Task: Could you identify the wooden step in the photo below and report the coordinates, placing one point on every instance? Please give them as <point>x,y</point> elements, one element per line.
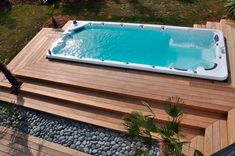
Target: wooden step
<point>93,116</point>
<point>229,33</point>
<point>122,90</point>
<point>196,143</point>
<point>150,85</point>
<point>96,117</point>
<point>216,137</point>
<point>231,126</point>
<point>199,26</point>
<point>114,104</point>
<point>213,25</point>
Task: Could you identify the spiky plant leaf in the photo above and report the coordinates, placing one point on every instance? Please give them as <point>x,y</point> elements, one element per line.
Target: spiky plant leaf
<point>230,7</point>
<point>165,132</point>
<point>174,126</point>
<point>174,109</point>
<point>149,108</point>
<point>198,153</point>
<point>140,152</point>
<point>140,126</point>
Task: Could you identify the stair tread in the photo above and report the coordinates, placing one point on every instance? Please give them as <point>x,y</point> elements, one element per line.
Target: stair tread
<point>124,92</point>
<point>96,118</point>
<point>117,104</point>
<point>91,116</point>
<point>231,126</point>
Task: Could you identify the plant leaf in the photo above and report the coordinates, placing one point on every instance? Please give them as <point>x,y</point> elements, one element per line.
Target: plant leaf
<point>198,153</point>
<point>148,106</point>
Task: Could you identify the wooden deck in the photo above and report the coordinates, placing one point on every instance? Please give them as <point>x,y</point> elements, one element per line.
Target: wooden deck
<point>14,143</point>
<point>102,95</point>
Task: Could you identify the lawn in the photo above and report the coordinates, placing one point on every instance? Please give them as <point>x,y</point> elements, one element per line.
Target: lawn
<point>19,25</point>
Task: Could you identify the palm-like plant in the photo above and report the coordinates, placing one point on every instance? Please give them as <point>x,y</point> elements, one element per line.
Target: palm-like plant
<point>230,7</point>
<point>143,126</point>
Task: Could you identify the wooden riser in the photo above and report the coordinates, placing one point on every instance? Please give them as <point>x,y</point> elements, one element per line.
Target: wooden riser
<point>114,104</point>
<point>93,116</point>
<point>50,77</point>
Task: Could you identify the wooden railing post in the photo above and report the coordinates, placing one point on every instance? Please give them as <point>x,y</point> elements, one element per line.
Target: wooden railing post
<point>15,89</point>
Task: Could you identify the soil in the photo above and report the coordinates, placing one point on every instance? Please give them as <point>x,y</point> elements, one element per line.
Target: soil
<point>61,21</point>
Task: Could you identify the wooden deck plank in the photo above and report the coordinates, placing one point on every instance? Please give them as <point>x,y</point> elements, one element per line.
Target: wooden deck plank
<point>15,137</point>
<point>130,77</point>
<point>193,146</point>
<point>230,42</point>
<point>121,88</point>
<point>77,70</point>
<point>208,141</point>
<point>231,126</point>
<point>200,143</point>
<point>39,144</point>
<point>224,134</point>
<point>11,151</point>
<point>69,111</point>
<point>24,149</point>
<point>216,135</point>
<point>113,104</point>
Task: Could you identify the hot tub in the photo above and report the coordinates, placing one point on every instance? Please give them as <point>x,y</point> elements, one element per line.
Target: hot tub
<point>174,50</point>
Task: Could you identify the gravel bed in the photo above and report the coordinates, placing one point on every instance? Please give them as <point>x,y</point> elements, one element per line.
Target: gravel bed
<point>84,137</point>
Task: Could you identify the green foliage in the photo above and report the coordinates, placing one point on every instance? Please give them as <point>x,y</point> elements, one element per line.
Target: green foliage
<point>174,107</point>
<point>139,125</point>
<point>51,10</point>
<point>197,153</point>
<point>142,126</point>
<point>230,7</point>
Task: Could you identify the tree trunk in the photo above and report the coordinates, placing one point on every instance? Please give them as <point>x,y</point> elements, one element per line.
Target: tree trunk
<point>54,23</point>
<point>11,78</point>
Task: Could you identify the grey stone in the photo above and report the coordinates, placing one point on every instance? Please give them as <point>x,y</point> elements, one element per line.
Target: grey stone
<point>86,150</point>
<point>94,151</point>
<point>78,143</point>
<point>102,135</point>
<point>94,137</point>
<point>81,138</point>
<point>84,142</point>
<point>115,146</point>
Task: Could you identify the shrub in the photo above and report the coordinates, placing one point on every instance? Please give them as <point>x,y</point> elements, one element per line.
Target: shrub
<point>230,7</point>
<point>169,134</point>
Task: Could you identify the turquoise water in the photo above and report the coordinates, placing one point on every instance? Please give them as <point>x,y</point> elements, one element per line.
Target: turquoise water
<point>184,49</point>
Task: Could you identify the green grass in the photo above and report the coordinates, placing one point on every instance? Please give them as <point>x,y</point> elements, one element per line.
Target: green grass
<point>19,25</point>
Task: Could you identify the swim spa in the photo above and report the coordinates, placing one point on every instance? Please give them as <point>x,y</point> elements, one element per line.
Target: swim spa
<point>174,50</point>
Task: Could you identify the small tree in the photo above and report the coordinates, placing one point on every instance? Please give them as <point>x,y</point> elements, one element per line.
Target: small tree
<point>230,7</point>
<point>51,14</point>
<point>169,134</point>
